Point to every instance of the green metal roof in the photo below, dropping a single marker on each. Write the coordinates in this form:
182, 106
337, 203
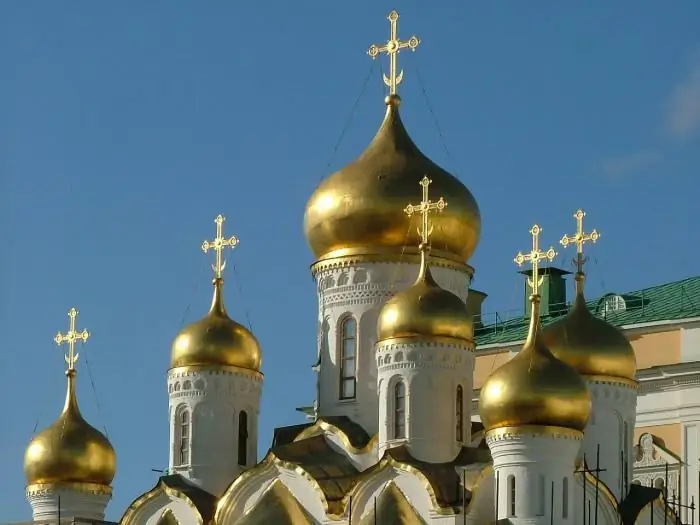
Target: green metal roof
665, 302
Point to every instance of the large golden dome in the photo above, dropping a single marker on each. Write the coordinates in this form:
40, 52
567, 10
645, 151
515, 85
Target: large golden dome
359, 209
425, 311
70, 450
589, 344
216, 340
535, 389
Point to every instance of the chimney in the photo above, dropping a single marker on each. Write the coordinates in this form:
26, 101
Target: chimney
475, 300
552, 291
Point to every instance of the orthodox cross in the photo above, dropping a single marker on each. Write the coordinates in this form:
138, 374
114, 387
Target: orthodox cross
218, 245
579, 239
534, 258
70, 338
392, 48
424, 208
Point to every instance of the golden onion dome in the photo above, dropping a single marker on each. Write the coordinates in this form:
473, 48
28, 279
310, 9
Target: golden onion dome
70, 450
358, 210
535, 388
589, 344
425, 311
216, 340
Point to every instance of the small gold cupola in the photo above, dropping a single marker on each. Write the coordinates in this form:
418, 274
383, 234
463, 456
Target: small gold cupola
591, 345
216, 339
70, 450
425, 310
535, 388
356, 212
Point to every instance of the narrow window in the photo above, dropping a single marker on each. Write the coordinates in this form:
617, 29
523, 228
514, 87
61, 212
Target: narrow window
184, 438
399, 410
348, 351
242, 438
565, 498
511, 496
541, 495
459, 414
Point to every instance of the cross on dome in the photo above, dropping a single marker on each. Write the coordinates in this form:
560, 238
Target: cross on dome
424, 208
70, 339
579, 239
218, 245
392, 48
534, 257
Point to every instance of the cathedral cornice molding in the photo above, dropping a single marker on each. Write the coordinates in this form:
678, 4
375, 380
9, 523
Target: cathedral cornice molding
444, 354
409, 256
38, 490
518, 433
211, 370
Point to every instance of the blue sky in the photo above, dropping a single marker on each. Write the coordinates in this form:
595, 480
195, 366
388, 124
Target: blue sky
126, 127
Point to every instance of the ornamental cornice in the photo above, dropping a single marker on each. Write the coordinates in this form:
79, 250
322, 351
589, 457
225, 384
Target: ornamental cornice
518, 433
209, 370
39, 490
356, 294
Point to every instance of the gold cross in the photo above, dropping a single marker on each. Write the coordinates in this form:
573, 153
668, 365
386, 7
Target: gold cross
424, 208
392, 48
218, 245
534, 258
579, 239
70, 338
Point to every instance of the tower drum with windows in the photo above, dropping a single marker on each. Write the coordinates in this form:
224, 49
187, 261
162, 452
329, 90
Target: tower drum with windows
214, 389
425, 362
366, 251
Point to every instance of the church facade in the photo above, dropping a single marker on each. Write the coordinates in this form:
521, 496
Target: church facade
426, 412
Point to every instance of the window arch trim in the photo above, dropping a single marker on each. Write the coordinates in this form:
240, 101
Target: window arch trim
399, 394
183, 436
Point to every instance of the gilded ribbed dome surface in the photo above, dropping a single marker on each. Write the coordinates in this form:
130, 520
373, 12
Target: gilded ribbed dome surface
425, 311
70, 450
535, 389
590, 344
216, 340
359, 209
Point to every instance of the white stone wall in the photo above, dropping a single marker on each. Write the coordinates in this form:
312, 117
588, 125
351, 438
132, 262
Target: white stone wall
360, 291
611, 426
80, 501
533, 462
214, 399
431, 374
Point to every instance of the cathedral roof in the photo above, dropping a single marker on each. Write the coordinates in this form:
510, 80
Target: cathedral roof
393, 508
355, 434
277, 506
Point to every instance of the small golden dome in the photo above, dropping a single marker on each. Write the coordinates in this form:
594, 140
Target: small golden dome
589, 344
359, 209
535, 388
70, 450
425, 311
216, 340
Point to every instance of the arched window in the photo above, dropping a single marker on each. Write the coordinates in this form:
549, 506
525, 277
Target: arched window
184, 432
459, 414
511, 496
541, 496
242, 438
400, 410
348, 352
565, 498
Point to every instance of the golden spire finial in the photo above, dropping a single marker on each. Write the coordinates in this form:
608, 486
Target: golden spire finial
534, 258
218, 245
70, 338
392, 48
424, 208
579, 239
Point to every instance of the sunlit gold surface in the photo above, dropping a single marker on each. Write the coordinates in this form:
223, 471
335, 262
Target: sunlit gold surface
534, 388
392, 507
425, 310
276, 506
358, 210
70, 450
216, 340
586, 342
392, 48
589, 344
